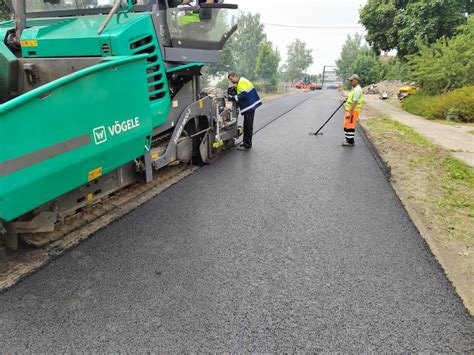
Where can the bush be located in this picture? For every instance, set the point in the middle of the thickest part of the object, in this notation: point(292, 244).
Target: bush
point(447, 64)
point(437, 107)
point(223, 84)
point(393, 69)
point(4, 11)
point(266, 88)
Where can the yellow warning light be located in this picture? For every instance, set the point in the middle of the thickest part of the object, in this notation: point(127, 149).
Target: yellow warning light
point(94, 174)
point(29, 43)
point(90, 197)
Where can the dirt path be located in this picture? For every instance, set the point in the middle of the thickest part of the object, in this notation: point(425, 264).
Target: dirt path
point(456, 139)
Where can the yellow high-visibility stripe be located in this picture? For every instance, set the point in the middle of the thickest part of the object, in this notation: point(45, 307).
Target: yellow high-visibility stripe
point(350, 99)
point(244, 85)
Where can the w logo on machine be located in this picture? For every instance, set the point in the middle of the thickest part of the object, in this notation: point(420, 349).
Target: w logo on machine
point(100, 135)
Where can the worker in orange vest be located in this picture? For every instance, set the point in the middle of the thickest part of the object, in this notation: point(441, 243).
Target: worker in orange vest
point(352, 107)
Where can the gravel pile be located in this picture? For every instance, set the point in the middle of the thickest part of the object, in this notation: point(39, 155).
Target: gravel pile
point(389, 86)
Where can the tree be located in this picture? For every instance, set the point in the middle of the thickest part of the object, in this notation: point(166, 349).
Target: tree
point(393, 69)
point(268, 61)
point(4, 11)
point(367, 66)
point(299, 60)
point(398, 24)
point(246, 43)
point(241, 51)
point(358, 58)
point(315, 78)
point(225, 64)
point(447, 64)
point(349, 53)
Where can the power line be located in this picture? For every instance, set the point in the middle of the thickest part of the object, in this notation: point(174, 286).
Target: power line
point(314, 27)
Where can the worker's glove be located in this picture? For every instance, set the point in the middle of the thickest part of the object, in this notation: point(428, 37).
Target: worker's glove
point(232, 91)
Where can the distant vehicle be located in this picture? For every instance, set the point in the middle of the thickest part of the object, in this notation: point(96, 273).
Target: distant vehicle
point(406, 91)
point(307, 86)
point(332, 86)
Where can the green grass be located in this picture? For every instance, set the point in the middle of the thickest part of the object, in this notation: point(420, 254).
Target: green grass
point(471, 132)
point(443, 184)
point(383, 125)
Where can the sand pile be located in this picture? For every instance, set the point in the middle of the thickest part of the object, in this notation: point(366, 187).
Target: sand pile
point(389, 86)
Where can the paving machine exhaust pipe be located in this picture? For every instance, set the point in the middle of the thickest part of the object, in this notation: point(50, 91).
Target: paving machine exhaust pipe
point(325, 123)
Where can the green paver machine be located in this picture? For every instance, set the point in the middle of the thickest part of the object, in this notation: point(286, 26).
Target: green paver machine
point(96, 95)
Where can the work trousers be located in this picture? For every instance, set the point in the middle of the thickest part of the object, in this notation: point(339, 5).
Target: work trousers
point(350, 122)
point(248, 128)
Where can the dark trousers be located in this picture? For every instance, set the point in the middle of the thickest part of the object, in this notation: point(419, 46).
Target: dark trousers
point(248, 128)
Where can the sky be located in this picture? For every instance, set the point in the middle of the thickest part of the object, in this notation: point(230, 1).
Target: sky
point(325, 43)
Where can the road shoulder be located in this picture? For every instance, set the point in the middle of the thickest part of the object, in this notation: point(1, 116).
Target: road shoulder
point(437, 191)
point(453, 138)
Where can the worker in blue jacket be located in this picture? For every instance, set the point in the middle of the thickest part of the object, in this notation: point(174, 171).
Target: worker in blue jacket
point(248, 100)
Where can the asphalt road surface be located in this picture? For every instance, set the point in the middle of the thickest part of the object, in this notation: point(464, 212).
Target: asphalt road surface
point(298, 245)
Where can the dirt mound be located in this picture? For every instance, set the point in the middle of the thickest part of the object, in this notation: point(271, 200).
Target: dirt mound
point(389, 86)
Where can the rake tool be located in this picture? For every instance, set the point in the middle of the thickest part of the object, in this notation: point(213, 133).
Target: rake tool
point(325, 123)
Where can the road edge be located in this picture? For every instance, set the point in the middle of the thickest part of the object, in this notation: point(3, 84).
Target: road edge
point(411, 212)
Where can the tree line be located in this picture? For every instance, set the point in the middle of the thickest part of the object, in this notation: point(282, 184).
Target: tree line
point(433, 39)
point(4, 11)
point(250, 54)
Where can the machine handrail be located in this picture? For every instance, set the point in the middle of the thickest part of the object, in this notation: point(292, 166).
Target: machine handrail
point(205, 6)
point(51, 86)
point(219, 6)
point(113, 11)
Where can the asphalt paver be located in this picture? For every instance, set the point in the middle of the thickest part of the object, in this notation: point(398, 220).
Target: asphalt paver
point(297, 245)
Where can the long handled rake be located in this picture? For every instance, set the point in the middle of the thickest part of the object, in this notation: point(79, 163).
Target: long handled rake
point(325, 123)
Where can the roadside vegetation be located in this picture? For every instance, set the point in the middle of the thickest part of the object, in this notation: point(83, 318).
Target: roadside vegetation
point(357, 57)
point(250, 54)
point(448, 183)
point(445, 73)
point(459, 102)
point(4, 12)
point(433, 41)
point(437, 190)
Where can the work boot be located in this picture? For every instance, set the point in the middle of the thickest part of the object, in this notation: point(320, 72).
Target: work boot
point(347, 144)
point(243, 147)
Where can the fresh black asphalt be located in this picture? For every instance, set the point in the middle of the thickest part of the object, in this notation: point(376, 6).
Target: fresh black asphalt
point(298, 245)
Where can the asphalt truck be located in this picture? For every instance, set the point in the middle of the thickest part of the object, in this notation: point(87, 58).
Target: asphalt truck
point(97, 95)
